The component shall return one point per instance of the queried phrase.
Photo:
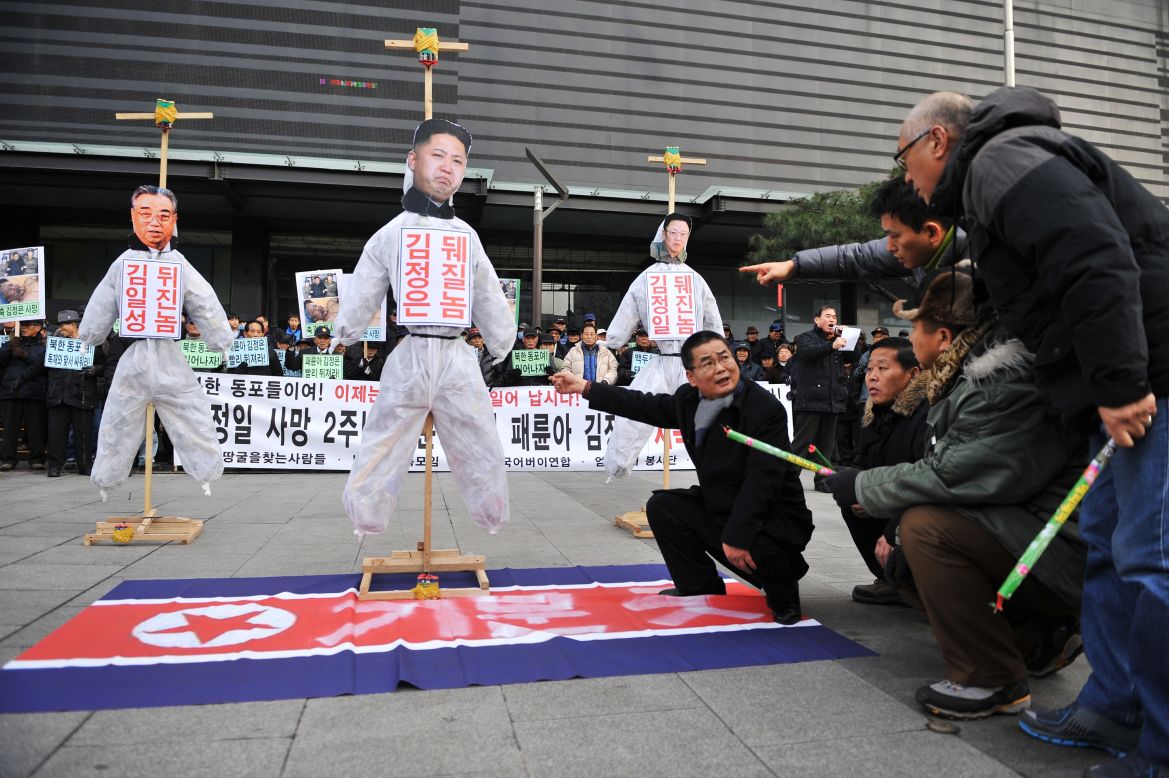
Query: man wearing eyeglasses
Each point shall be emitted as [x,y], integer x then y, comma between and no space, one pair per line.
[1075,256]
[747,511]
[154,370]
[663,373]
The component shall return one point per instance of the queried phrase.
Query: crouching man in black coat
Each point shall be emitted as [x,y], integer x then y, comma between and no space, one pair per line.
[748,510]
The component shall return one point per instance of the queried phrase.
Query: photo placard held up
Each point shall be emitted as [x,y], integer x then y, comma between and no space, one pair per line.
[22,284]
[376,329]
[319,294]
[151,299]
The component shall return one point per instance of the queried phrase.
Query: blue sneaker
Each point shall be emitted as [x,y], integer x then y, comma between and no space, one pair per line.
[1080,728]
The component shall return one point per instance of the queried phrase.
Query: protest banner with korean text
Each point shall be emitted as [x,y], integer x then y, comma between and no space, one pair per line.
[434,277]
[199,356]
[639,359]
[673,311]
[151,298]
[250,351]
[531,361]
[68,354]
[322,366]
[22,284]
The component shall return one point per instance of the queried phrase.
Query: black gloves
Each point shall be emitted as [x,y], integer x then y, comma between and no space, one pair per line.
[843,486]
[897,570]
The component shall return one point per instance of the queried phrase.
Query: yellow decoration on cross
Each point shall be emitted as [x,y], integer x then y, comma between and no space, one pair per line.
[673,161]
[164,116]
[427,45]
[165,113]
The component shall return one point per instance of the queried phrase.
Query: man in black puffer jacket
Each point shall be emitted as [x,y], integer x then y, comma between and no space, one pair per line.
[819,391]
[22,396]
[1074,253]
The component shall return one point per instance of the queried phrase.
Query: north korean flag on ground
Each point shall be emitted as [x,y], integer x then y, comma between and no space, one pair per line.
[182,642]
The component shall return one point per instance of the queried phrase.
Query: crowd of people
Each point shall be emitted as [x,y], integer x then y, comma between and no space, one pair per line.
[1030,345]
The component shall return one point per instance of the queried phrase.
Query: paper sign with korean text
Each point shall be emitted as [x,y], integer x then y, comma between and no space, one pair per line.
[322,366]
[531,361]
[671,303]
[199,356]
[376,329]
[250,351]
[3,340]
[22,284]
[151,302]
[639,359]
[434,277]
[68,354]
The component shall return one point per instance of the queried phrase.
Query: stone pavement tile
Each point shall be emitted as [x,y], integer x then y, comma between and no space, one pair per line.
[77,553]
[133,755]
[320,559]
[61,531]
[16,548]
[899,753]
[97,591]
[407,732]
[583,697]
[1001,736]
[240,721]
[26,739]
[792,703]
[35,631]
[238,538]
[27,575]
[9,629]
[180,565]
[650,743]
[23,606]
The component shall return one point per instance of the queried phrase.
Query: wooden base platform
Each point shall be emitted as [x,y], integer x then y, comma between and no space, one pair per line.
[636,522]
[149,529]
[444,560]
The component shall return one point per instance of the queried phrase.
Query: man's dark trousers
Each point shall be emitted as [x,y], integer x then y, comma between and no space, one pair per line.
[817,429]
[688,536]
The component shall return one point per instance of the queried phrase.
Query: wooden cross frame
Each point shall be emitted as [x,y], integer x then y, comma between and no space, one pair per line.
[151,526]
[636,521]
[427,45]
[164,116]
[674,162]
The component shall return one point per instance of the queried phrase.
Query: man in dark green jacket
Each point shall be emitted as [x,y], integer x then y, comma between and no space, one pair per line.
[997,467]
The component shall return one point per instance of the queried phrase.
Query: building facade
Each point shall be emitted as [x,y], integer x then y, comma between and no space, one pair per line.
[313,117]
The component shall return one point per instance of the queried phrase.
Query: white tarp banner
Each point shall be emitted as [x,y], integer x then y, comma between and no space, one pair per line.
[316,424]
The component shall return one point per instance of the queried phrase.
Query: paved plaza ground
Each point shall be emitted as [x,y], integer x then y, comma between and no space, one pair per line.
[831,718]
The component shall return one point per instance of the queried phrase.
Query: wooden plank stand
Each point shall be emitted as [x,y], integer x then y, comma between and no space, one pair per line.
[636,522]
[424,559]
[149,527]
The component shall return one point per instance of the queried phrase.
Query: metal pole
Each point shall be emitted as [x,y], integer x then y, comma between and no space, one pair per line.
[537,255]
[1008,43]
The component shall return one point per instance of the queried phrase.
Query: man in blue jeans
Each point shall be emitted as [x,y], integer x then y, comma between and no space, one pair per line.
[1075,256]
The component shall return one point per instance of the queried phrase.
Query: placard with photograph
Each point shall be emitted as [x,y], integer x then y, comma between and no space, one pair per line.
[22,284]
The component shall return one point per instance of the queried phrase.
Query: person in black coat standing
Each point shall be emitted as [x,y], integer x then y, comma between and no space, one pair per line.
[22,396]
[70,399]
[819,387]
[747,511]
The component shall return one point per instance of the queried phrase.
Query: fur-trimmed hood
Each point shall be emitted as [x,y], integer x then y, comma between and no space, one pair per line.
[906,403]
[1002,358]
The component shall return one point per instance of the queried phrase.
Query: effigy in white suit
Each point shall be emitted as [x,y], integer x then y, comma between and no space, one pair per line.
[664,373]
[431,371]
[154,370]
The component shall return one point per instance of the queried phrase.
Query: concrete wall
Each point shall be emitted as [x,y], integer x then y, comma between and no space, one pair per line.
[796,96]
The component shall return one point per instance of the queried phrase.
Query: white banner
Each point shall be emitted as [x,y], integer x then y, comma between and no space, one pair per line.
[316,424]
[22,284]
[434,281]
[68,354]
[152,298]
[670,298]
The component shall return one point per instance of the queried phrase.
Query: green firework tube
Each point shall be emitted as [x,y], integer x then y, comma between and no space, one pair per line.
[786,456]
[1051,529]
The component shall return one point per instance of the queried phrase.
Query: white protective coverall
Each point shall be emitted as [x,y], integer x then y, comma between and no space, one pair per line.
[155,371]
[664,373]
[439,375]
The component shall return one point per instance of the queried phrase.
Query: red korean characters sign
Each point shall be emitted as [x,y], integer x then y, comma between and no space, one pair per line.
[434,277]
[152,299]
[673,311]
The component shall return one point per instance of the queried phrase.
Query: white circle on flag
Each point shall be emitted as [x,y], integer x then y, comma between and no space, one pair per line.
[166,629]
